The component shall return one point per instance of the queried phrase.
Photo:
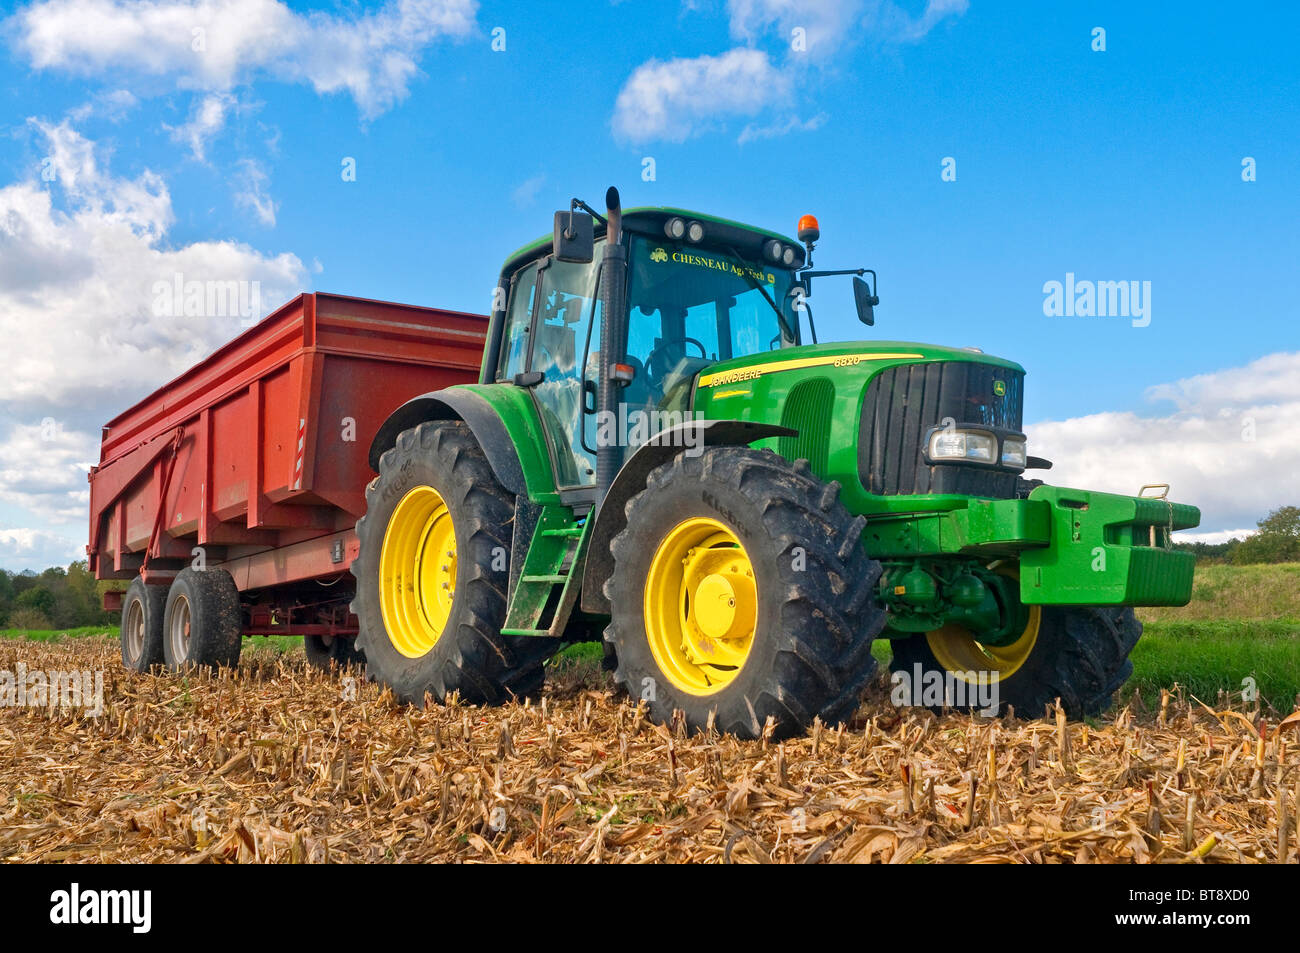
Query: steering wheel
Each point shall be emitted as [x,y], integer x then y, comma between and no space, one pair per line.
[663,356]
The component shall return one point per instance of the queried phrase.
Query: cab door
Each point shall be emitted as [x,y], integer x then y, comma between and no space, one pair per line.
[564,346]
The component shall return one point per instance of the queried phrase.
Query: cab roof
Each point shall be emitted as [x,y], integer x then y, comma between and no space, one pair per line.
[650,219]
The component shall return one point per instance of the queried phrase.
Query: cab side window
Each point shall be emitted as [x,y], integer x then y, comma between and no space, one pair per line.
[519,319]
[568,328]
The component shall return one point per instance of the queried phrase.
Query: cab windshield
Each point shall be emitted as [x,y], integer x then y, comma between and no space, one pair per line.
[690,307]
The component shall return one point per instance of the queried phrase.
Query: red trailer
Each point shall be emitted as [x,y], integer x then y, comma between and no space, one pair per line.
[242,479]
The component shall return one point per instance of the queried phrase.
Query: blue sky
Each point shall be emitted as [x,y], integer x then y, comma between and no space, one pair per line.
[1115,165]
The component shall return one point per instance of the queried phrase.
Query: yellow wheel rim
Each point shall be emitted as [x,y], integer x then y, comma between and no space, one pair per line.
[955,648]
[701,606]
[417,572]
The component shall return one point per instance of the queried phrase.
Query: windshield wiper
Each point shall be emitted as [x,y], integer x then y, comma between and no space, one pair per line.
[753,283]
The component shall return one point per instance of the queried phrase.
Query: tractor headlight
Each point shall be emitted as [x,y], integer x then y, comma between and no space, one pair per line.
[1013,453]
[675,228]
[787,256]
[773,249]
[694,232]
[962,445]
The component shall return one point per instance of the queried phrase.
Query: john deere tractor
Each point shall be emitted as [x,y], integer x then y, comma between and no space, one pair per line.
[660,453]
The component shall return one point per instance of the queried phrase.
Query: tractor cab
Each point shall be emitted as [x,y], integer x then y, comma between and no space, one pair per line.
[696,291]
[690,307]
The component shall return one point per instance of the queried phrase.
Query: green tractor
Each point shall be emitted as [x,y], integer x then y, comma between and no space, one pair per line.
[660,453]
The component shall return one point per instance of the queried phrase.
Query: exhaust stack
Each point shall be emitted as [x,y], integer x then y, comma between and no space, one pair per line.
[613,339]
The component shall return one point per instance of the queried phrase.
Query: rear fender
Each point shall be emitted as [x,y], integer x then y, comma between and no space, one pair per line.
[458,403]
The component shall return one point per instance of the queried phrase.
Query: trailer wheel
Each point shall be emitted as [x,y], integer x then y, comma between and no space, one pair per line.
[323,649]
[1075,653]
[433,571]
[202,625]
[741,589]
[142,625]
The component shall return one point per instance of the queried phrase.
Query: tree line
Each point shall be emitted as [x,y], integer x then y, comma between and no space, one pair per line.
[54,599]
[1277,541]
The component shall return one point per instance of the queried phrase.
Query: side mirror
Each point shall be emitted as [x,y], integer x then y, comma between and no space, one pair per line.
[865,301]
[574,237]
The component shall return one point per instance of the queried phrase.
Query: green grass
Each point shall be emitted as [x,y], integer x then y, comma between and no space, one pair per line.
[254,643]
[1242,621]
[272,643]
[1205,657]
[58,635]
[581,652]
[1238,592]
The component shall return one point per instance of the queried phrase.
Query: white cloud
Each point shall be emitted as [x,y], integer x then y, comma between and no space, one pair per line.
[37,549]
[829,26]
[1213,538]
[113,106]
[207,118]
[753,131]
[251,183]
[1231,445]
[525,194]
[1272,379]
[215,45]
[43,466]
[79,260]
[826,24]
[894,24]
[676,99]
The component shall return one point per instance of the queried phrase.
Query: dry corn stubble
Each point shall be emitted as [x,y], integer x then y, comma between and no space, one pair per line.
[277,762]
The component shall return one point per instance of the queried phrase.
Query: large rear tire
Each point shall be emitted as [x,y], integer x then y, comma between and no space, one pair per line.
[433,571]
[741,589]
[202,625]
[142,625]
[1075,653]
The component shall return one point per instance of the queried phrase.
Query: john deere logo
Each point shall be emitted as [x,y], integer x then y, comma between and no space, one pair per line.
[1000,388]
[659,255]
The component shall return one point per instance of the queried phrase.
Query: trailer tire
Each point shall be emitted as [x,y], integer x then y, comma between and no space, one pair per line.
[1080,655]
[467,654]
[203,624]
[322,650]
[744,529]
[143,607]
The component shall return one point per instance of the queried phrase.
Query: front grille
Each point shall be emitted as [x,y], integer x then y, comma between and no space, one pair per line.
[905,401]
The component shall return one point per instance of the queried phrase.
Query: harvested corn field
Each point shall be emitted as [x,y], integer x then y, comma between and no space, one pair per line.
[280,763]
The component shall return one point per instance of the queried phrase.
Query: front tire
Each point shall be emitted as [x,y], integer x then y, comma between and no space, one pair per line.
[741,589]
[433,571]
[1075,653]
[202,625]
